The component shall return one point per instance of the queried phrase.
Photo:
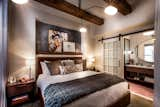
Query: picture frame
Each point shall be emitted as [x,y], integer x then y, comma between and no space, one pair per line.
[69,47]
[54,41]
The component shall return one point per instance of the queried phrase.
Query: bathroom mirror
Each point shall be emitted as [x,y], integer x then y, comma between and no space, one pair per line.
[145,50]
[139,48]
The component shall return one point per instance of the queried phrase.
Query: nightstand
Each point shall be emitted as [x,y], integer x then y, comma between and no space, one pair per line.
[18,93]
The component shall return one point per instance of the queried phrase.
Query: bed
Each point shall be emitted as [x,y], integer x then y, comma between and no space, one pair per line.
[82,84]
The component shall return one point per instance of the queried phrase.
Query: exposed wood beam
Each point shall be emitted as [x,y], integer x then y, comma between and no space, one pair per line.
[122,5]
[73,10]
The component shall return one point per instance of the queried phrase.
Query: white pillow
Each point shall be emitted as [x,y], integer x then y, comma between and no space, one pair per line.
[61,68]
[45,69]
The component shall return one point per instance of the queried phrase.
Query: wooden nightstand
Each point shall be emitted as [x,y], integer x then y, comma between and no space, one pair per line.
[18,93]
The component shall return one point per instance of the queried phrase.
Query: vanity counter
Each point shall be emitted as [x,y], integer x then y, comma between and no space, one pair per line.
[140,74]
[148,71]
[139,66]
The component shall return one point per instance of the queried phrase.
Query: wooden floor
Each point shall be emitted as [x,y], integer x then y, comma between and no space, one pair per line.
[141,90]
[136,101]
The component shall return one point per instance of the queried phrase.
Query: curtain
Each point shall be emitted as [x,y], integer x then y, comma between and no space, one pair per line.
[3,49]
[157,55]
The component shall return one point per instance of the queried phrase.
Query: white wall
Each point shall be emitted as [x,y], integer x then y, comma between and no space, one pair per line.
[23,32]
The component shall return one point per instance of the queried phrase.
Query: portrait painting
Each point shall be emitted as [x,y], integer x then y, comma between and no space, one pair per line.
[55,41]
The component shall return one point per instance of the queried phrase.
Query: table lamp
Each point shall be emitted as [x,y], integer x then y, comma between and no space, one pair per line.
[29,63]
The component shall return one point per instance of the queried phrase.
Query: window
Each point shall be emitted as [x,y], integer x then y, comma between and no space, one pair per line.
[149,53]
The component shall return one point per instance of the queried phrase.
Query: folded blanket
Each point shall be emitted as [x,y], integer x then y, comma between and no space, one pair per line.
[56,95]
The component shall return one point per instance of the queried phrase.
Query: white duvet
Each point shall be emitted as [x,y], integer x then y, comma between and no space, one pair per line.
[44,80]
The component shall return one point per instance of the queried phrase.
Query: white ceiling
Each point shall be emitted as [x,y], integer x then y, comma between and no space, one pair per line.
[96,11]
[100,11]
[85,4]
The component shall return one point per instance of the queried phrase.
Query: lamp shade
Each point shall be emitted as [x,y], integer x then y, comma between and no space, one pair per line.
[83,29]
[110,10]
[30,62]
[91,59]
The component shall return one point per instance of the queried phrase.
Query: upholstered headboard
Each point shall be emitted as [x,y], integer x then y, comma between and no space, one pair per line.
[42,57]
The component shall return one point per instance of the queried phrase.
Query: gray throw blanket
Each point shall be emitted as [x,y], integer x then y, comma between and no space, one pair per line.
[56,95]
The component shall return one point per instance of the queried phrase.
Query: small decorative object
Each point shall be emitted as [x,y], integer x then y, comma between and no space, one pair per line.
[68,47]
[12,79]
[132,57]
[25,78]
[55,41]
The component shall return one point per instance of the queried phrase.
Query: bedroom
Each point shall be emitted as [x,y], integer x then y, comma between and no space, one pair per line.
[34,27]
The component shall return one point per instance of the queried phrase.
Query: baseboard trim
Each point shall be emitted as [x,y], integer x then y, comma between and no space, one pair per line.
[147,98]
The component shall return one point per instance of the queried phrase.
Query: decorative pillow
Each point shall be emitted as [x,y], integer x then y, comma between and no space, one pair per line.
[78,61]
[45,69]
[67,62]
[70,69]
[79,67]
[53,67]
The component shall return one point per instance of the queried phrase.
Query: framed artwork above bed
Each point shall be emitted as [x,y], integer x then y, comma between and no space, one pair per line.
[51,39]
[54,41]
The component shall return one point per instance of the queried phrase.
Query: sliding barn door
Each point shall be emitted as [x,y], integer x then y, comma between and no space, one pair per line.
[112,56]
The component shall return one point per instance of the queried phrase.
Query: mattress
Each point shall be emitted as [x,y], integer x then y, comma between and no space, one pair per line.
[101,98]
[45,80]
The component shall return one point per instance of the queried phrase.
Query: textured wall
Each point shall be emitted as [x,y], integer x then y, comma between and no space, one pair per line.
[23,31]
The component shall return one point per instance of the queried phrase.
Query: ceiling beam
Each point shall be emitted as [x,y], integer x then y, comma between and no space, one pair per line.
[72,10]
[122,5]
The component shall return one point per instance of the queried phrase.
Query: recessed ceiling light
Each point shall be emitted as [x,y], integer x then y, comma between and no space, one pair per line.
[111,10]
[20,1]
[83,29]
[149,33]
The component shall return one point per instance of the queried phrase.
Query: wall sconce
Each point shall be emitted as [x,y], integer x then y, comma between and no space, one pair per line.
[29,63]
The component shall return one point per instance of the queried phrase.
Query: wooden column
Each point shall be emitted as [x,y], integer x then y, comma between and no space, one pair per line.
[3,49]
